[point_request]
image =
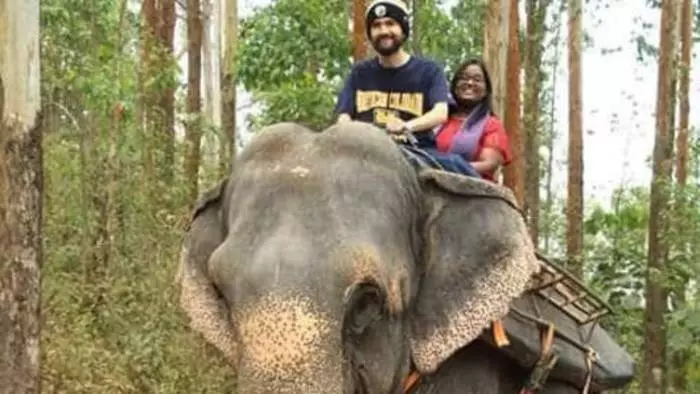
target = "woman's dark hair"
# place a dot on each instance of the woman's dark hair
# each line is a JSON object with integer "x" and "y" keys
{"x": 485, "y": 107}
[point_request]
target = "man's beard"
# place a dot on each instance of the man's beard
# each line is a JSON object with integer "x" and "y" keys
{"x": 387, "y": 51}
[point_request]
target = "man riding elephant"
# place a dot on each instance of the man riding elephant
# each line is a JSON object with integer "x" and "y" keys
{"x": 405, "y": 94}
{"x": 395, "y": 90}
{"x": 326, "y": 264}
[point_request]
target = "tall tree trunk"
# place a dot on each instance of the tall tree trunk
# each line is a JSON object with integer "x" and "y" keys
{"x": 21, "y": 189}
{"x": 228, "y": 85}
{"x": 193, "y": 133}
{"x": 208, "y": 99}
{"x": 496, "y": 49}
{"x": 680, "y": 357}
{"x": 552, "y": 131}
{"x": 574, "y": 203}
{"x": 167, "y": 98}
{"x": 656, "y": 294}
{"x": 148, "y": 66}
{"x": 416, "y": 27}
{"x": 359, "y": 48}
{"x": 686, "y": 45}
{"x": 536, "y": 11}
{"x": 157, "y": 96}
{"x": 514, "y": 174}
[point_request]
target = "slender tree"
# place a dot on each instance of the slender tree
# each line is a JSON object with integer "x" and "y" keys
{"x": 536, "y": 11}
{"x": 682, "y": 224}
{"x": 359, "y": 48}
{"x": 496, "y": 19}
{"x": 193, "y": 133}
{"x": 684, "y": 93}
{"x": 21, "y": 189}
{"x": 228, "y": 84}
{"x": 514, "y": 174}
{"x": 574, "y": 203}
{"x": 656, "y": 294}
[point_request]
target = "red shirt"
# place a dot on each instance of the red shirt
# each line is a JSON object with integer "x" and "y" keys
{"x": 494, "y": 136}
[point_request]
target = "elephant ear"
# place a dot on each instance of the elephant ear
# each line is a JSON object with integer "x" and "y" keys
{"x": 477, "y": 256}
{"x": 199, "y": 297}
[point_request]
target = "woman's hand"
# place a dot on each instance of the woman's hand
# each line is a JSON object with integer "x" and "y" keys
{"x": 489, "y": 160}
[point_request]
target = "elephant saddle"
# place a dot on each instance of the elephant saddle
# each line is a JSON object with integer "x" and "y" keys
{"x": 553, "y": 331}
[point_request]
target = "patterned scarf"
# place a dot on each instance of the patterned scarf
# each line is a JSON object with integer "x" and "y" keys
{"x": 466, "y": 139}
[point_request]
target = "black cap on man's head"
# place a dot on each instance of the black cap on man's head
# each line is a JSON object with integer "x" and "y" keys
{"x": 394, "y": 9}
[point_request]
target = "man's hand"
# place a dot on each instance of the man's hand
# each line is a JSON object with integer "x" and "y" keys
{"x": 396, "y": 127}
{"x": 344, "y": 118}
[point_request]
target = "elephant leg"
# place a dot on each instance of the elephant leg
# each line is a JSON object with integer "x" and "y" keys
{"x": 475, "y": 369}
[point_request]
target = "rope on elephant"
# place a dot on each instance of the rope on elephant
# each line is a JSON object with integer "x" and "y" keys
{"x": 545, "y": 364}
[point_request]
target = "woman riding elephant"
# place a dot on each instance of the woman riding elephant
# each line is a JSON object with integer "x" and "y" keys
{"x": 472, "y": 131}
{"x": 326, "y": 264}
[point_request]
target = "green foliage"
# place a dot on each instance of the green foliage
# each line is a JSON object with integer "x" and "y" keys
{"x": 293, "y": 77}
{"x": 304, "y": 99}
{"x": 464, "y": 24}
{"x": 290, "y": 38}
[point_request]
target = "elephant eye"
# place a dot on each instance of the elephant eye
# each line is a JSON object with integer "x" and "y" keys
{"x": 365, "y": 306}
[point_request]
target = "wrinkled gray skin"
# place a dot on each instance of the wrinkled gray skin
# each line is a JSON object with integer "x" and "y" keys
{"x": 328, "y": 265}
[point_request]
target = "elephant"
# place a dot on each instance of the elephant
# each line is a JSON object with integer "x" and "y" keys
{"x": 325, "y": 263}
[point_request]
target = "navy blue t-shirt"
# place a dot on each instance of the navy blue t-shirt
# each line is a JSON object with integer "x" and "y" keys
{"x": 376, "y": 94}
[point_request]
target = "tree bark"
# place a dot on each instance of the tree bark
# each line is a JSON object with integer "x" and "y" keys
{"x": 496, "y": 49}
{"x": 166, "y": 33}
{"x": 680, "y": 357}
{"x": 228, "y": 86}
{"x": 656, "y": 294}
{"x": 193, "y": 131}
{"x": 552, "y": 132}
{"x": 359, "y": 47}
{"x": 574, "y": 203}
{"x": 536, "y": 11}
{"x": 514, "y": 174}
{"x": 147, "y": 102}
{"x": 21, "y": 188}
{"x": 684, "y": 91}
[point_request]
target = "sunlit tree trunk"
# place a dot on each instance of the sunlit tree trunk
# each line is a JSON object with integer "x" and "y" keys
{"x": 654, "y": 368}
{"x": 359, "y": 46}
{"x": 496, "y": 17}
{"x": 228, "y": 84}
{"x": 551, "y": 135}
{"x": 574, "y": 203}
{"x": 536, "y": 11}
{"x": 156, "y": 104}
{"x": 149, "y": 29}
{"x": 166, "y": 34}
{"x": 684, "y": 91}
{"x": 514, "y": 174}
{"x": 210, "y": 77}
{"x": 21, "y": 189}
{"x": 680, "y": 357}
{"x": 193, "y": 125}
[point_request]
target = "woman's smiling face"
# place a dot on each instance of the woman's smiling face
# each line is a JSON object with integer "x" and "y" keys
{"x": 471, "y": 84}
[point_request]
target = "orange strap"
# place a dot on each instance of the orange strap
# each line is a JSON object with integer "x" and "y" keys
{"x": 547, "y": 340}
{"x": 410, "y": 381}
{"x": 499, "y": 334}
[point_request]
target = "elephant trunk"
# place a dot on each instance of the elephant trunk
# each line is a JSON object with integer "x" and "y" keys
{"x": 288, "y": 344}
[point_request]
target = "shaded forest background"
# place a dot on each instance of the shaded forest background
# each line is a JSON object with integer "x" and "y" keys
{"x": 131, "y": 138}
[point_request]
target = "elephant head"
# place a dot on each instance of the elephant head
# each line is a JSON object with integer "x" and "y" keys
{"x": 326, "y": 264}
